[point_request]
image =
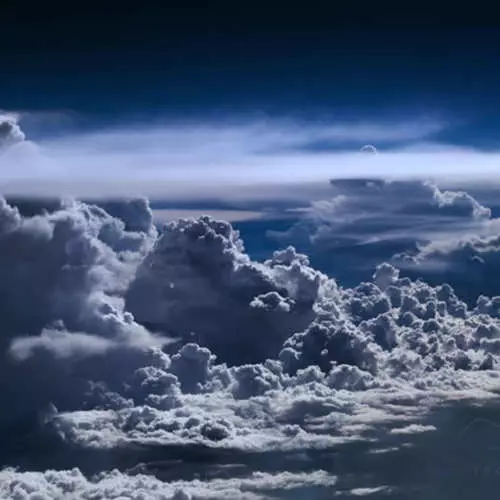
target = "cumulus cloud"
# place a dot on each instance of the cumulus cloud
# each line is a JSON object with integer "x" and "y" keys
{"x": 10, "y": 132}
{"x": 367, "y": 221}
{"x": 124, "y": 345}
{"x": 64, "y": 271}
{"x": 198, "y": 273}
{"x": 461, "y": 250}
{"x": 57, "y": 485}
{"x": 470, "y": 262}
{"x": 199, "y": 285}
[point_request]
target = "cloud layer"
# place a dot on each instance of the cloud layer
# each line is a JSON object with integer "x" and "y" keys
{"x": 147, "y": 363}
{"x": 257, "y": 357}
{"x": 231, "y": 160}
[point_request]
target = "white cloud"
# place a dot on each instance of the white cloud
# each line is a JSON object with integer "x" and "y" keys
{"x": 61, "y": 344}
{"x": 61, "y": 485}
{"x": 276, "y": 373}
{"x": 203, "y": 159}
{"x": 10, "y": 132}
{"x": 365, "y": 492}
{"x": 327, "y": 362}
{"x": 413, "y": 428}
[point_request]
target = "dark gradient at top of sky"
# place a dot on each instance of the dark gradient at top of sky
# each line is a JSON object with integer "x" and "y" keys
{"x": 225, "y": 58}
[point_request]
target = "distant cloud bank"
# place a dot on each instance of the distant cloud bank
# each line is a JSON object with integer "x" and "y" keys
{"x": 196, "y": 159}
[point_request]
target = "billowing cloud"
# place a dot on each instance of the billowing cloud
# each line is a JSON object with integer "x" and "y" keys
{"x": 198, "y": 274}
{"x": 55, "y": 485}
{"x": 62, "y": 272}
{"x": 169, "y": 364}
{"x": 270, "y": 357}
{"x": 10, "y": 132}
{"x": 469, "y": 261}
{"x": 366, "y": 221}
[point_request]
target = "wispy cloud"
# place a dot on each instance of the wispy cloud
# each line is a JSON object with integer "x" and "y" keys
{"x": 190, "y": 159}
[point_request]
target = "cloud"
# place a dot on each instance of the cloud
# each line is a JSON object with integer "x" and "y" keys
{"x": 366, "y": 221}
{"x": 170, "y": 364}
{"x": 10, "y": 132}
{"x": 61, "y": 344}
{"x": 192, "y": 160}
{"x": 55, "y": 485}
{"x": 63, "y": 272}
{"x": 199, "y": 265}
{"x": 279, "y": 325}
{"x": 469, "y": 261}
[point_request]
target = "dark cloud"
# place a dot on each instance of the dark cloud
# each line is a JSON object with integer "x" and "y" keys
{"x": 62, "y": 272}
{"x": 368, "y": 221}
{"x": 198, "y": 274}
{"x": 470, "y": 263}
{"x": 144, "y": 358}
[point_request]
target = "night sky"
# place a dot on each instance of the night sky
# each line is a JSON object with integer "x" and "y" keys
{"x": 222, "y": 58}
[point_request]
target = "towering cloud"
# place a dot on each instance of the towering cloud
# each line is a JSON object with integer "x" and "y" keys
{"x": 63, "y": 272}
{"x": 123, "y": 346}
{"x": 367, "y": 221}
{"x": 199, "y": 281}
{"x": 10, "y": 132}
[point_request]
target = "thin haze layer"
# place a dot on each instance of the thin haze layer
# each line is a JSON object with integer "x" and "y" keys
{"x": 248, "y": 160}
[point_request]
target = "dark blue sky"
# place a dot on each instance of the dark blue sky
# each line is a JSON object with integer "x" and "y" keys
{"x": 226, "y": 59}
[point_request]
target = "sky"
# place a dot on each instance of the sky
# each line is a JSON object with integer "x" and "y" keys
{"x": 219, "y": 60}
{"x": 223, "y": 58}
{"x": 332, "y": 331}
{"x": 179, "y": 98}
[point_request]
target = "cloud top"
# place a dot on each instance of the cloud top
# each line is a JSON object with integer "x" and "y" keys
{"x": 219, "y": 159}
{"x": 10, "y": 132}
{"x": 135, "y": 358}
